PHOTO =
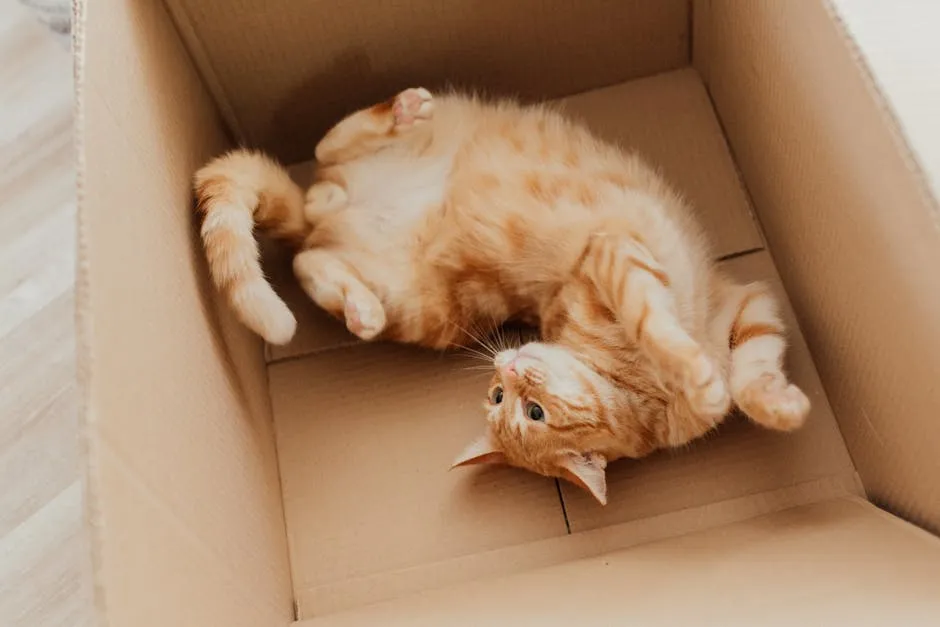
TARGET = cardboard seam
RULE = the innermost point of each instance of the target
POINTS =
(907, 527)
(593, 542)
(291, 573)
(743, 253)
(888, 114)
(317, 351)
(92, 523)
(738, 173)
(564, 508)
(701, 57)
(206, 70)
(558, 101)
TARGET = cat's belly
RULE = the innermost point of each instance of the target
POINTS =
(391, 202)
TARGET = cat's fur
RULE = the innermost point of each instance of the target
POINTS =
(432, 216)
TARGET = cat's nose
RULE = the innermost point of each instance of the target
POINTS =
(509, 370)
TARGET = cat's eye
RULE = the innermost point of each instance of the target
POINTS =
(496, 396)
(534, 411)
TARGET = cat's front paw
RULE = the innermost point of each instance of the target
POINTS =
(364, 319)
(706, 390)
(773, 402)
(412, 106)
(323, 198)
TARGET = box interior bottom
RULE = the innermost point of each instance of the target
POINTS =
(366, 433)
(791, 567)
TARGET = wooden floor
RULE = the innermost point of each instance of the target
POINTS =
(42, 554)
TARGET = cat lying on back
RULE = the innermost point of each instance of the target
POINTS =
(434, 215)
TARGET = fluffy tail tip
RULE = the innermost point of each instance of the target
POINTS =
(264, 313)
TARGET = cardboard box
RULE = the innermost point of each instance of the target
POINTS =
(238, 485)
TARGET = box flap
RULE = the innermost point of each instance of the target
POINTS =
(823, 564)
(284, 76)
(850, 219)
(182, 484)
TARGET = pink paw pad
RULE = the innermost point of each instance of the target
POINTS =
(412, 105)
(364, 321)
(776, 404)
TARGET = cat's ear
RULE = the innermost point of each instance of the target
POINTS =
(587, 471)
(481, 451)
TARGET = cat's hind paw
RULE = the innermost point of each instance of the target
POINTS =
(323, 198)
(364, 319)
(412, 106)
(772, 402)
(707, 393)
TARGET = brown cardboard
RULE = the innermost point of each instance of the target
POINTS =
(352, 593)
(819, 564)
(182, 482)
(668, 118)
(365, 438)
(283, 75)
(224, 490)
(851, 222)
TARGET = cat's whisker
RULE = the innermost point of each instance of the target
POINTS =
(479, 375)
(481, 368)
(501, 337)
(475, 354)
(470, 334)
(493, 349)
(486, 342)
(496, 334)
(480, 337)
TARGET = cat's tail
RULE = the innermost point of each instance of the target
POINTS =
(236, 193)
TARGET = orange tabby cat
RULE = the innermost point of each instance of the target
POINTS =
(433, 215)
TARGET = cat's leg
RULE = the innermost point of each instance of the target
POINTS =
(750, 323)
(335, 287)
(322, 199)
(637, 289)
(369, 130)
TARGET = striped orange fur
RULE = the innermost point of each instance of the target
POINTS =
(435, 217)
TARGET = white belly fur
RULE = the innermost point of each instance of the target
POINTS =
(389, 198)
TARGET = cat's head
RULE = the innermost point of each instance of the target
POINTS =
(549, 412)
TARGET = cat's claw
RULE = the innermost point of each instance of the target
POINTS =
(772, 402)
(412, 106)
(363, 320)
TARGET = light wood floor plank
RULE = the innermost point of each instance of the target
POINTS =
(43, 557)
